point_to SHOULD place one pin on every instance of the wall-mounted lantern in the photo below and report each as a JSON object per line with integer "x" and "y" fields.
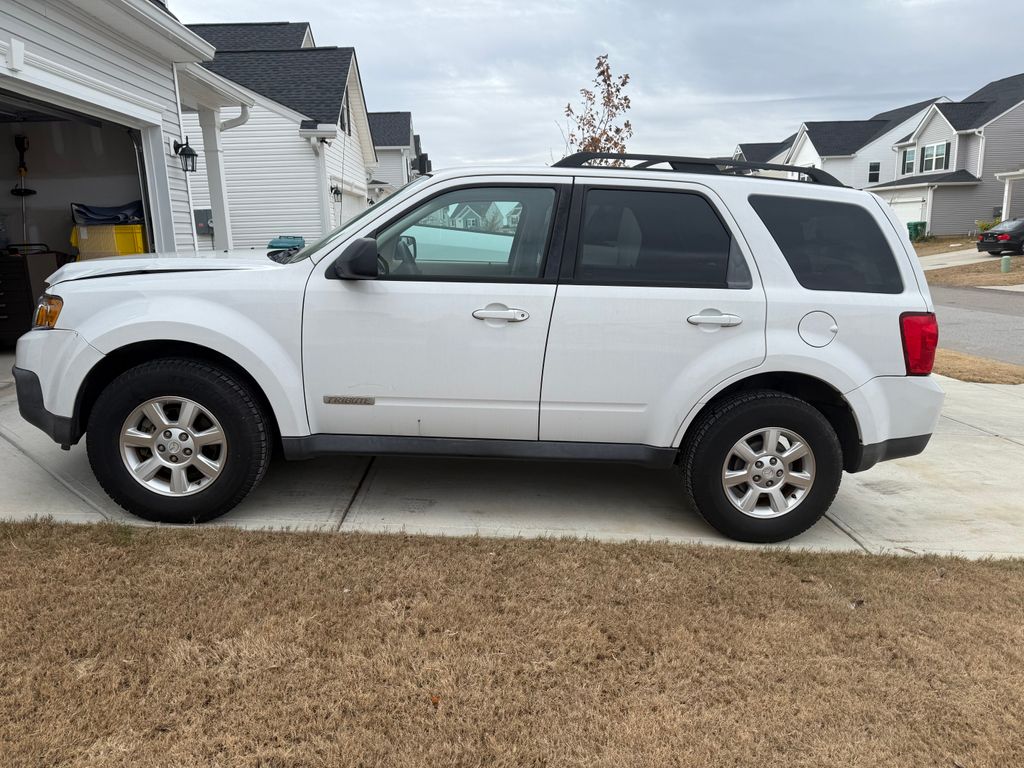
{"x": 186, "y": 155}
{"x": 337, "y": 193}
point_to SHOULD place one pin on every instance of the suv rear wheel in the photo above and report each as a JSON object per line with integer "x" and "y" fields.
{"x": 762, "y": 466}
{"x": 177, "y": 441}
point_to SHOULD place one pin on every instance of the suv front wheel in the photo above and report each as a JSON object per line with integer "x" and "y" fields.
{"x": 762, "y": 466}
{"x": 177, "y": 441}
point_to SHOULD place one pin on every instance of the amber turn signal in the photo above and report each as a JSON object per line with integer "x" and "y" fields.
{"x": 47, "y": 311}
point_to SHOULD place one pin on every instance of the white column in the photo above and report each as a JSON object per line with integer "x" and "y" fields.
{"x": 209, "y": 122}
{"x": 1007, "y": 197}
{"x": 161, "y": 212}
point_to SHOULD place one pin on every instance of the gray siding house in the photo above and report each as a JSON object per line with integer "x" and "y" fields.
{"x": 957, "y": 167}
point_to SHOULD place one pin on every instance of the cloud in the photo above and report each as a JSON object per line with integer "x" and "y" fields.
{"x": 487, "y": 80}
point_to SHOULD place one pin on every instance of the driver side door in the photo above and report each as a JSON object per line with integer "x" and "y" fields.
{"x": 449, "y": 340}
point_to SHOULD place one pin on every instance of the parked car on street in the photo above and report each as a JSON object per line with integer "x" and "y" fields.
{"x": 1005, "y": 236}
{"x": 757, "y": 335}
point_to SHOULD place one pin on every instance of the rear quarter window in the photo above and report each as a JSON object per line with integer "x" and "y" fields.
{"x": 830, "y": 246}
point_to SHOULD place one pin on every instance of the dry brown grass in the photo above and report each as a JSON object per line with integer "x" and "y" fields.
{"x": 142, "y": 647}
{"x": 980, "y": 274}
{"x": 945, "y": 244}
{"x": 959, "y": 365}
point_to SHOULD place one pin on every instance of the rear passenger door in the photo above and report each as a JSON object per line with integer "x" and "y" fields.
{"x": 658, "y": 301}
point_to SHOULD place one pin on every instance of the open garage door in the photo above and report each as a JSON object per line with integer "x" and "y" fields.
{"x": 51, "y": 157}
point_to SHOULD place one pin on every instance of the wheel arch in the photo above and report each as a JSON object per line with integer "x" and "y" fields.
{"x": 829, "y": 401}
{"x": 128, "y": 356}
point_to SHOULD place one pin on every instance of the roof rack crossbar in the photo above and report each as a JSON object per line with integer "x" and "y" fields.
{"x": 696, "y": 165}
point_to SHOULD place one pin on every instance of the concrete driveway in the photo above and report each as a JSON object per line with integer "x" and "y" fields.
{"x": 960, "y": 496}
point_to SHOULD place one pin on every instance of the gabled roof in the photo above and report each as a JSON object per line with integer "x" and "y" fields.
{"x": 901, "y": 114}
{"x": 311, "y": 81}
{"x": 162, "y": 5}
{"x": 255, "y": 36}
{"x": 964, "y": 115}
{"x": 391, "y": 129}
{"x": 953, "y": 177}
{"x": 845, "y": 137}
{"x": 764, "y": 151}
{"x": 985, "y": 104}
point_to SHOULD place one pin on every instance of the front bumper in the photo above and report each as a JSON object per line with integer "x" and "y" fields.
{"x": 30, "y": 403}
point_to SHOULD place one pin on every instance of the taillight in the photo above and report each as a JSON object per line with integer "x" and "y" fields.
{"x": 1002, "y": 238}
{"x": 980, "y": 238}
{"x": 920, "y": 332}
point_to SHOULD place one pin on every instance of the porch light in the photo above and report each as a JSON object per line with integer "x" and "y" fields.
{"x": 186, "y": 155}
{"x": 336, "y": 193}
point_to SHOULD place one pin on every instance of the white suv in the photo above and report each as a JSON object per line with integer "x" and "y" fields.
{"x": 758, "y": 334}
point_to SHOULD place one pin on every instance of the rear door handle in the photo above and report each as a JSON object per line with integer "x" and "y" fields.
{"x": 722, "y": 320}
{"x": 512, "y": 315}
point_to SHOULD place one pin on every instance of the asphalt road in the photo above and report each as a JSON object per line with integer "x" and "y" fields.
{"x": 981, "y": 321}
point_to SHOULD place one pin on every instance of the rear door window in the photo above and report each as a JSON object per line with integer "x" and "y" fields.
{"x": 830, "y": 246}
{"x": 644, "y": 237}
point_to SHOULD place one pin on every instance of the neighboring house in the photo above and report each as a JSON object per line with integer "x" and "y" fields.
{"x": 959, "y": 163}
{"x": 492, "y": 217}
{"x": 764, "y": 152}
{"x": 300, "y": 164}
{"x": 399, "y": 156}
{"x": 98, "y": 88}
{"x": 857, "y": 152}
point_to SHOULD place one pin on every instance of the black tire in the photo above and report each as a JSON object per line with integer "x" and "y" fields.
{"x": 223, "y": 395}
{"x": 728, "y": 421}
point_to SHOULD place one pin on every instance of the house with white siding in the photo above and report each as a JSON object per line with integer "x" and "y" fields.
{"x": 959, "y": 163}
{"x": 400, "y": 158}
{"x": 301, "y": 163}
{"x": 97, "y": 89}
{"x": 857, "y": 152}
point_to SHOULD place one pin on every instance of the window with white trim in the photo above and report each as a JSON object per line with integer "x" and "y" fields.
{"x": 934, "y": 157}
{"x": 874, "y": 169}
{"x": 909, "y": 156}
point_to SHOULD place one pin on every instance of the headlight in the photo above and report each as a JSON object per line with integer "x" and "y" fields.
{"x": 47, "y": 311}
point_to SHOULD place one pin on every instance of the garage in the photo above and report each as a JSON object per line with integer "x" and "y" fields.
{"x": 909, "y": 206}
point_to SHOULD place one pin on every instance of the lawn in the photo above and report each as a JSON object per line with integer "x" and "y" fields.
{"x": 944, "y": 244}
{"x": 959, "y": 365}
{"x": 217, "y": 647}
{"x": 984, "y": 273}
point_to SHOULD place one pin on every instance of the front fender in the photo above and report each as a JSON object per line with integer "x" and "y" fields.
{"x": 256, "y": 323}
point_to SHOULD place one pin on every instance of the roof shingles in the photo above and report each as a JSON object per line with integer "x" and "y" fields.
{"x": 311, "y": 81}
{"x": 391, "y": 129}
{"x": 257, "y": 36}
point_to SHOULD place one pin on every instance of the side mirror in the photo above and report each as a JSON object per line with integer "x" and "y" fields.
{"x": 357, "y": 262}
{"x": 409, "y": 242}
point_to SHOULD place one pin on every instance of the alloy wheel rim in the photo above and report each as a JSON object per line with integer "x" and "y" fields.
{"x": 768, "y": 472}
{"x": 173, "y": 446}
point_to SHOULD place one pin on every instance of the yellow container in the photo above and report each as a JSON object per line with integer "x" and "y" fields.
{"x": 96, "y": 242}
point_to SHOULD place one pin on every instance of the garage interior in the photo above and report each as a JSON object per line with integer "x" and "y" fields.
{"x": 51, "y": 158}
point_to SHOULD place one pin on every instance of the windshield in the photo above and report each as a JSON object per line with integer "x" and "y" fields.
{"x": 345, "y": 229}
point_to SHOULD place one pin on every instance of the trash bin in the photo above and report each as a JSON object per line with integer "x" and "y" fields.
{"x": 916, "y": 229}
{"x": 287, "y": 241}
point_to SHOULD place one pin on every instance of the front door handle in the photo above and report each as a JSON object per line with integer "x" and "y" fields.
{"x": 723, "y": 320}
{"x": 511, "y": 315}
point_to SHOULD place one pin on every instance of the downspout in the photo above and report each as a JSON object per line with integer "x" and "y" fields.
{"x": 234, "y": 122}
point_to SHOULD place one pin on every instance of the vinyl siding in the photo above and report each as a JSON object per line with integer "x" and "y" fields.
{"x": 805, "y": 155}
{"x": 393, "y": 166}
{"x": 955, "y": 209}
{"x": 271, "y": 178}
{"x": 345, "y": 164}
{"x": 853, "y": 171}
{"x": 58, "y": 31}
{"x": 935, "y": 130}
{"x": 967, "y": 152}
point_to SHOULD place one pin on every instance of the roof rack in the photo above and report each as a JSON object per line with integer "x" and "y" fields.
{"x": 713, "y": 165}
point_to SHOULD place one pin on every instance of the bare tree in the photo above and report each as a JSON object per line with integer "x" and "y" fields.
{"x": 594, "y": 125}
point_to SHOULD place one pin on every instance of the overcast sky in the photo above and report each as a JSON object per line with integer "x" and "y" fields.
{"x": 487, "y": 80}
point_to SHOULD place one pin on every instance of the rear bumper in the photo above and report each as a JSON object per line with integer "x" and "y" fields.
{"x": 30, "y": 403}
{"x": 897, "y": 448}
{"x": 997, "y": 247}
